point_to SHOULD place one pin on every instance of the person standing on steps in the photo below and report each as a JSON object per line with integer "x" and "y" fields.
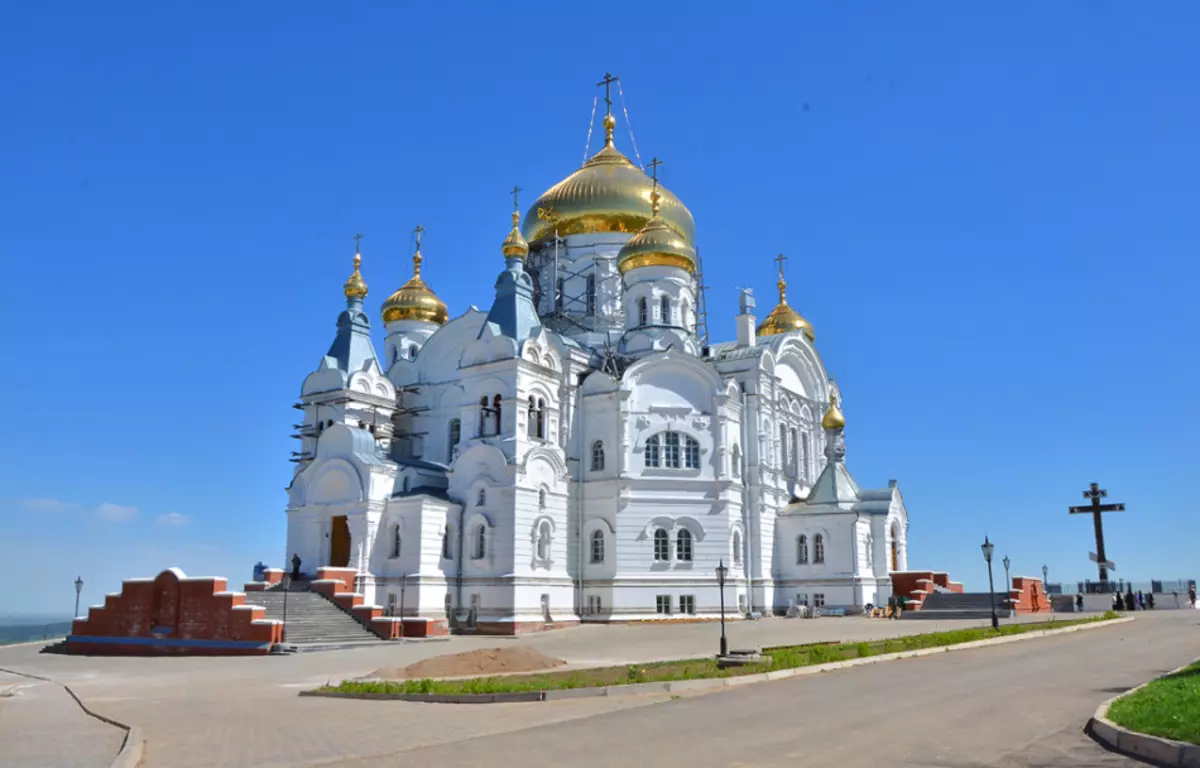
{"x": 295, "y": 567}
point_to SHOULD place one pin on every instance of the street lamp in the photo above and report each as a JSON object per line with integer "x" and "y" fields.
{"x": 988, "y": 547}
{"x": 722, "y": 571}
{"x": 1045, "y": 578}
{"x": 78, "y": 589}
{"x": 1007, "y": 578}
{"x": 287, "y": 585}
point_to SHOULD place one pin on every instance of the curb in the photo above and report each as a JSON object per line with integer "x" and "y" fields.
{"x": 707, "y": 684}
{"x": 1142, "y": 746}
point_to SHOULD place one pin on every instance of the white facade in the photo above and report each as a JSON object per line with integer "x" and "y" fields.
{"x": 562, "y": 459}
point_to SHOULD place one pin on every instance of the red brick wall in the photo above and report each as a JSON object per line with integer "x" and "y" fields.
{"x": 174, "y": 607}
{"x": 344, "y": 575}
{"x": 905, "y": 583}
{"x": 1028, "y": 596}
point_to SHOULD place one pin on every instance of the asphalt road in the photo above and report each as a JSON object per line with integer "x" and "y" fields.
{"x": 1012, "y": 706}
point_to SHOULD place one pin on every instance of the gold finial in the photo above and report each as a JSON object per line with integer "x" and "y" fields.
{"x": 655, "y": 197}
{"x": 609, "y": 121}
{"x": 356, "y": 287}
{"x": 514, "y": 246}
{"x": 833, "y": 417}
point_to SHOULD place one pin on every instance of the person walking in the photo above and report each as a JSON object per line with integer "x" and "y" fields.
{"x": 295, "y": 567}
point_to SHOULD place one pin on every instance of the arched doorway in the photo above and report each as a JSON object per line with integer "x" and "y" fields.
{"x": 339, "y": 542}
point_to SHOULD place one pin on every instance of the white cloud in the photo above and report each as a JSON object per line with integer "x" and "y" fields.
{"x": 115, "y": 513}
{"x": 47, "y": 505}
{"x": 171, "y": 519}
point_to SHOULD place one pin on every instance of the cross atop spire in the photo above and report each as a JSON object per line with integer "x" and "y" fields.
{"x": 655, "y": 197}
{"x": 782, "y": 284}
{"x": 653, "y": 164}
{"x": 358, "y": 242}
{"x": 515, "y": 192}
{"x": 607, "y": 82}
{"x": 418, "y": 232}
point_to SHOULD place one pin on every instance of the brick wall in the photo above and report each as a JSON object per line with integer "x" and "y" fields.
{"x": 1028, "y": 596}
{"x": 174, "y": 614}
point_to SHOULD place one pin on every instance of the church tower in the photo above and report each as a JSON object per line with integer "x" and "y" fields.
{"x": 411, "y": 314}
{"x": 658, "y": 268}
{"x": 784, "y": 319}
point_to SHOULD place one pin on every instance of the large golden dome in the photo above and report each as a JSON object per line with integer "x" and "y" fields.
{"x": 784, "y": 319}
{"x": 656, "y": 245}
{"x": 414, "y": 300}
{"x": 608, "y": 194}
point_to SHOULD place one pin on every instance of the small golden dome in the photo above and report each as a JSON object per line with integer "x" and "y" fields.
{"x": 608, "y": 194}
{"x": 833, "y": 417}
{"x": 415, "y": 301}
{"x": 784, "y": 319}
{"x": 514, "y": 245}
{"x": 355, "y": 287}
{"x": 656, "y": 244}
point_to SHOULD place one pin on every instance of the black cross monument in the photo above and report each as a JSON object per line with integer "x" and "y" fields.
{"x": 1095, "y": 509}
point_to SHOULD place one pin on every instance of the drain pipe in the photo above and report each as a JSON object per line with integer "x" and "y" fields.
{"x": 462, "y": 515}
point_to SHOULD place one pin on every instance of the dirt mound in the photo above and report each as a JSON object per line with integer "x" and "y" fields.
{"x": 488, "y": 661}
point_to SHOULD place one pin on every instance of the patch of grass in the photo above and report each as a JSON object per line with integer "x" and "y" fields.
{"x": 1168, "y": 707}
{"x": 782, "y": 657}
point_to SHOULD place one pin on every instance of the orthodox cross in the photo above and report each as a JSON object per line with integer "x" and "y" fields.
{"x": 654, "y": 169}
{"x": 1095, "y": 509}
{"x": 607, "y": 82}
{"x": 418, "y": 232}
{"x": 779, "y": 260}
{"x": 516, "y": 191}
{"x": 358, "y": 242}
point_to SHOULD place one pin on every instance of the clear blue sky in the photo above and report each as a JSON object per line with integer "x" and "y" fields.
{"x": 990, "y": 216}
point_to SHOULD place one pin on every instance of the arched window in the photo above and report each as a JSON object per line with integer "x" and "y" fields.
{"x": 802, "y": 550}
{"x": 412, "y": 353}
{"x": 481, "y": 499}
{"x": 597, "y": 546}
{"x": 558, "y": 294}
{"x": 597, "y": 456}
{"x": 662, "y": 546}
{"x": 783, "y": 452}
{"x": 671, "y": 450}
{"x": 652, "y": 452}
{"x": 691, "y": 453}
{"x": 541, "y": 418}
{"x": 591, "y": 294}
{"x": 446, "y": 544}
{"x": 541, "y": 498}
{"x": 543, "y": 541}
{"x": 737, "y": 547}
{"x": 496, "y": 413}
{"x": 683, "y": 546}
{"x": 531, "y": 418}
{"x": 480, "y": 542}
{"x": 485, "y": 415}
{"x": 455, "y": 436}
{"x": 665, "y": 310}
{"x": 395, "y": 540}
{"x": 805, "y": 453}
{"x": 643, "y": 312}
{"x": 736, "y": 461}
{"x": 795, "y": 454}
{"x": 818, "y": 548}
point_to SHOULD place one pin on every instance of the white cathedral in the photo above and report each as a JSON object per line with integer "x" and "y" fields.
{"x": 576, "y": 452}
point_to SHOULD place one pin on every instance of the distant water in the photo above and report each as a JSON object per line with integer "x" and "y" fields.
{"x": 23, "y": 633}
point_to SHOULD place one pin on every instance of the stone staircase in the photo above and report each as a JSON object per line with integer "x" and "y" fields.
{"x": 312, "y": 619}
{"x": 959, "y": 605}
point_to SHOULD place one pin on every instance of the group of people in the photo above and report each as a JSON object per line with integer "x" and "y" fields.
{"x": 1133, "y": 601}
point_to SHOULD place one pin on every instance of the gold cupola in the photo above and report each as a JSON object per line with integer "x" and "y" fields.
{"x": 607, "y": 194}
{"x": 356, "y": 287}
{"x": 414, "y": 300}
{"x": 514, "y": 246}
{"x": 784, "y": 319}
{"x": 656, "y": 244}
{"x": 833, "y": 418}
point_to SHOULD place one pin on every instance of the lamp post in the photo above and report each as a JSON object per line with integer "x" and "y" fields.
{"x": 287, "y": 585}
{"x": 988, "y": 547}
{"x": 1045, "y": 578}
{"x": 1007, "y": 578}
{"x": 722, "y": 571}
{"x": 78, "y": 589}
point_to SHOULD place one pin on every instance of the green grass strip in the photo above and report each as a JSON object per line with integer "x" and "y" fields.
{"x": 782, "y": 657}
{"x": 1167, "y": 707}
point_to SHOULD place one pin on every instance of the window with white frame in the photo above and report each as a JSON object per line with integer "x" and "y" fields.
{"x": 737, "y": 547}
{"x": 446, "y": 544}
{"x": 691, "y": 453}
{"x": 802, "y": 550}
{"x": 395, "y": 540}
{"x": 593, "y": 605}
{"x": 818, "y": 599}
{"x": 683, "y": 545}
{"x": 643, "y": 312}
{"x": 662, "y": 604}
{"x": 598, "y": 456}
{"x": 480, "y": 542}
{"x": 652, "y": 453}
{"x": 543, "y": 541}
{"x": 672, "y": 450}
{"x": 662, "y": 546}
{"x": 665, "y": 310}
{"x": 687, "y": 604}
{"x": 818, "y": 548}
{"x": 597, "y": 546}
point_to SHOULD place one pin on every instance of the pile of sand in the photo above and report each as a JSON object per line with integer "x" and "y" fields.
{"x": 488, "y": 661}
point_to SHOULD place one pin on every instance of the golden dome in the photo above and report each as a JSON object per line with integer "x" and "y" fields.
{"x": 414, "y": 300}
{"x": 784, "y": 319}
{"x": 608, "y": 194}
{"x": 355, "y": 287}
{"x": 656, "y": 244}
{"x": 833, "y": 417}
{"x": 514, "y": 245}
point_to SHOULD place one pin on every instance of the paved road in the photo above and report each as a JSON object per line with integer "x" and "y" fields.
{"x": 1011, "y": 706}
{"x": 41, "y": 725}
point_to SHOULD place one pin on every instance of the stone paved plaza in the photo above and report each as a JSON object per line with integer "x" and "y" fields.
{"x": 245, "y": 711}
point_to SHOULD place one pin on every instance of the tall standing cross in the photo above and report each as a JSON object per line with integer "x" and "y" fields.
{"x": 418, "y": 232}
{"x": 607, "y": 82}
{"x": 779, "y": 260}
{"x": 654, "y": 169}
{"x": 1095, "y": 508}
{"x": 358, "y": 243}
{"x": 516, "y": 191}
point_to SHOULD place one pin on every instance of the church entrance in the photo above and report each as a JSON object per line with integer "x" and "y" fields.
{"x": 339, "y": 543}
